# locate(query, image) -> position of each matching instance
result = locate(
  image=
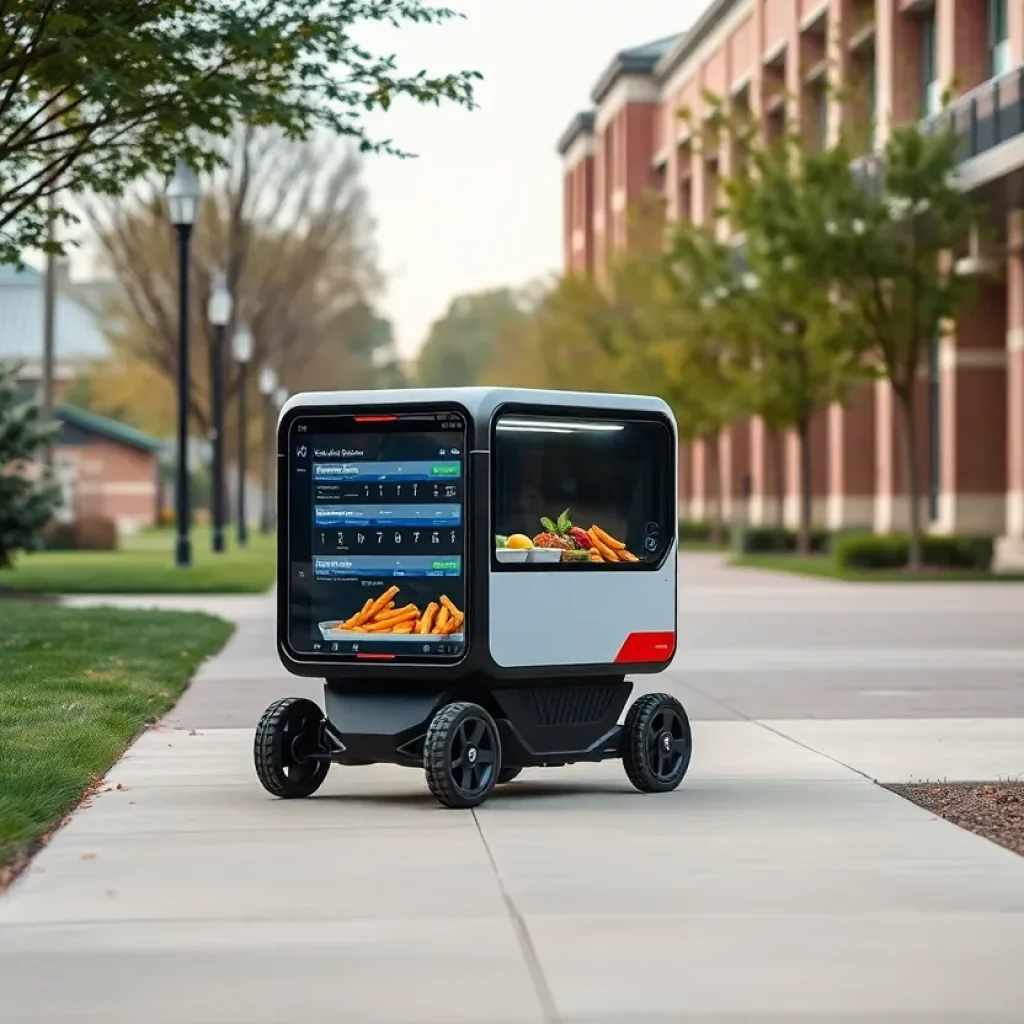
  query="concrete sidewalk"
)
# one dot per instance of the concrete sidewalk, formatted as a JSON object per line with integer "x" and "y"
{"x": 776, "y": 881}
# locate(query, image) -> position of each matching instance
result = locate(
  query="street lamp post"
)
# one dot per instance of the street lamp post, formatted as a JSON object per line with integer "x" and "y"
{"x": 242, "y": 345}
{"x": 218, "y": 312}
{"x": 268, "y": 384}
{"x": 182, "y": 206}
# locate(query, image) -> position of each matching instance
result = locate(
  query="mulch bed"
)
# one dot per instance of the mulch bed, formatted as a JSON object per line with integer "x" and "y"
{"x": 994, "y": 810}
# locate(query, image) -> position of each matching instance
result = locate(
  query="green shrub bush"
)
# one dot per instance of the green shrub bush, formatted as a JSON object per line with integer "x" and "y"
{"x": 694, "y": 531}
{"x": 866, "y": 551}
{"x": 765, "y": 540}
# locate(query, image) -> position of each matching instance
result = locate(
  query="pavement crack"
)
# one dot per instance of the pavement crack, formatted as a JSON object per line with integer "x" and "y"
{"x": 533, "y": 965}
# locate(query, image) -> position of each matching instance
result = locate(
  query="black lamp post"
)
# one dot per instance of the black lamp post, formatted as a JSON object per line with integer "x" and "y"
{"x": 182, "y": 207}
{"x": 268, "y": 384}
{"x": 242, "y": 346}
{"x": 218, "y": 312}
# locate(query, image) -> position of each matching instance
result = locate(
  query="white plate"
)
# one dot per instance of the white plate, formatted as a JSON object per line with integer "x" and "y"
{"x": 545, "y": 554}
{"x": 511, "y": 554}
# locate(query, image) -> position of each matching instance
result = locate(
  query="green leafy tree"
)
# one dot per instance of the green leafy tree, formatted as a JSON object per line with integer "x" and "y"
{"x": 797, "y": 349}
{"x": 888, "y": 245}
{"x": 464, "y": 342}
{"x": 698, "y": 359}
{"x": 26, "y": 504}
{"x": 97, "y": 93}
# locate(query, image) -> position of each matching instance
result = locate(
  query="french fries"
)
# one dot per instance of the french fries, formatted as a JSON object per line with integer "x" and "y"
{"x": 607, "y": 548}
{"x": 382, "y": 615}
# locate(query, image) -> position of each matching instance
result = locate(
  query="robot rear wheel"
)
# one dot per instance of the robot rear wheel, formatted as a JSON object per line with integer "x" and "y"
{"x": 288, "y": 740}
{"x": 462, "y": 755}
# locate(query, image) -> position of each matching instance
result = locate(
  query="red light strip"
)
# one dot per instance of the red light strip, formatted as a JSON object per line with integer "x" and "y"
{"x": 374, "y": 419}
{"x": 377, "y": 657}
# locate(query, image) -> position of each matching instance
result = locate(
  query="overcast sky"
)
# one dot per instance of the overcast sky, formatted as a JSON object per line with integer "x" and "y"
{"x": 481, "y": 206}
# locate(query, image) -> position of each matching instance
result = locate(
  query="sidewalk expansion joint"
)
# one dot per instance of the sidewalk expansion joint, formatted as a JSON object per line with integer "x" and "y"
{"x": 519, "y": 926}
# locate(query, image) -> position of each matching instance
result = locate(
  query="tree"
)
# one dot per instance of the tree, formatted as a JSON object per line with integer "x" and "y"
{"x": 466, "y": 338}
{"x": 795, "y": 348}
{"x": 26, "y": 504}
{"x": 288, "y": 224}
{"x": 96, "y": 93}
{"x": 890, "y": 244}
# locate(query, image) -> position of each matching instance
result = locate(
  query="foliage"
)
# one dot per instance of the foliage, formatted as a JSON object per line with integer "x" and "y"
{"x": 885, "y": 235}
{"x": 26, "y": 504}
{"x": 892, "y": 551}
{"x": 767, "y": 306}
{"x": 756, "y": 540}
{"x": 467, "y": 338}
{"x": 97, "y": 93}
{"x": 287, "y": 222}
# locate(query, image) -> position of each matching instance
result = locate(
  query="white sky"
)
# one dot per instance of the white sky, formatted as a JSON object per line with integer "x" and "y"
{"x": 481, "y": 206}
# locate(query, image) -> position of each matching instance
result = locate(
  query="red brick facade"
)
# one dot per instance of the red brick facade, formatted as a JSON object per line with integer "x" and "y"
{"x": 773, "y": 58}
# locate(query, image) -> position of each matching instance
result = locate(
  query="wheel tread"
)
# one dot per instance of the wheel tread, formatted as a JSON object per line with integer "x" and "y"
{"x": 634, "y": 750}
{"x": 268, "y": 770}
{"x": 439, "y": 780}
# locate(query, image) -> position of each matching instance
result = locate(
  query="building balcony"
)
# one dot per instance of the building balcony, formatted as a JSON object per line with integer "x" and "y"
{"x": 989, "y": 124}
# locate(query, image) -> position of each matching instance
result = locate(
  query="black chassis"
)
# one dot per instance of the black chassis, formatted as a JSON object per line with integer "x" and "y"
{"x": 542, "y": 723}
{"x": 379, "y": 713}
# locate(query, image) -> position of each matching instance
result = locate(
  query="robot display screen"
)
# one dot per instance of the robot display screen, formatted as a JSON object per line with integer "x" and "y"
{"x": 376, "y": 533}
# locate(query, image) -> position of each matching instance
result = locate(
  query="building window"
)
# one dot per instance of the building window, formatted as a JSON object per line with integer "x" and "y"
{"x": 998, "y": 38}
{"x": 931, "y": 88}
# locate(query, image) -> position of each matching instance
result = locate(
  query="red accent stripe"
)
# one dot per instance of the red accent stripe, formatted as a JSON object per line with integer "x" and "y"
{"x": 641, "y": 648}
{"x": 377, "y": 657}
{"x": 374, "y": 419}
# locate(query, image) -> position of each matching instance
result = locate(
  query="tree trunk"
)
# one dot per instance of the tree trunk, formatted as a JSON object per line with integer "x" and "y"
{"x": 714, "y": 486}
{"x": 803, "y": 539}
{"x": 911, "y": 474}
{"x": 778, "y": 472}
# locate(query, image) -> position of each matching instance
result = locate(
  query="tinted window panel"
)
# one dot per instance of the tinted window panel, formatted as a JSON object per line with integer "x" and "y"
{"x": 580, "y": 492}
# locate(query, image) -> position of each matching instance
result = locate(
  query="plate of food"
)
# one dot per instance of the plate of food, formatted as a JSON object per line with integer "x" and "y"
{"x": 384, "y": 616}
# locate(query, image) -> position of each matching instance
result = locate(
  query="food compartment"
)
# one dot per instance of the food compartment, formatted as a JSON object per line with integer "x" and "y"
{"x": 582, "y": 493}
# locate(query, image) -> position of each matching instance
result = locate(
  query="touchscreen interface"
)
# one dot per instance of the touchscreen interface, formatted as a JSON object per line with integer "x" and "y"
{"x": 377, "y": 536}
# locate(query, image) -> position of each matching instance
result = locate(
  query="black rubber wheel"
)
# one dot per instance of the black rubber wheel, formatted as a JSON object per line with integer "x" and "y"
{"x": 656, "y": 743}
{"x": 289, "y": 732}
{"x": 462, "y": 755}
{"x": 508, "y": 774}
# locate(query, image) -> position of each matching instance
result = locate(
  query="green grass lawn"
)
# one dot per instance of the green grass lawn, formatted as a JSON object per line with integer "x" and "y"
{"x": 822, "y": 566}
{"x": 145, "y": 565}
{"x": 75, "y": 687}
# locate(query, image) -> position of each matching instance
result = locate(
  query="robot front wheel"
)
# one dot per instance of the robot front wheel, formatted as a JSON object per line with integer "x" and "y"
{"x": 462, "y": 755}
{"x": 656, "y": 743}
{"x": 288, "y": 738}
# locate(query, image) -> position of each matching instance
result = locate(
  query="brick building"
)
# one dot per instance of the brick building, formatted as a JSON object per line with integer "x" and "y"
{"x": 773, "y": 58}
{"x": 105, "y": 467}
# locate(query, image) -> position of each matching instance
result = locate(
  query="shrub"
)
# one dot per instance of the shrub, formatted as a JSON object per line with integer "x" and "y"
{"x": 870, "y": 551}
{"x": 95, "y": 533}
{"x": 59, "y": 537}
{"x": 763, "y": 540}
{"x": 694, "y": 531}
{"x": 892, "y": 551}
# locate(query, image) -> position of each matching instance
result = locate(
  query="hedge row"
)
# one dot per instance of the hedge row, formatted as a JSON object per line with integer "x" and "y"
{"x": 854, "y": 550}
{"x": 867, "y": 551}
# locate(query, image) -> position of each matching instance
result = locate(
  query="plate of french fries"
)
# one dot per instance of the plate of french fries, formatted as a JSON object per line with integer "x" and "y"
{"x": 384, "y": 616}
